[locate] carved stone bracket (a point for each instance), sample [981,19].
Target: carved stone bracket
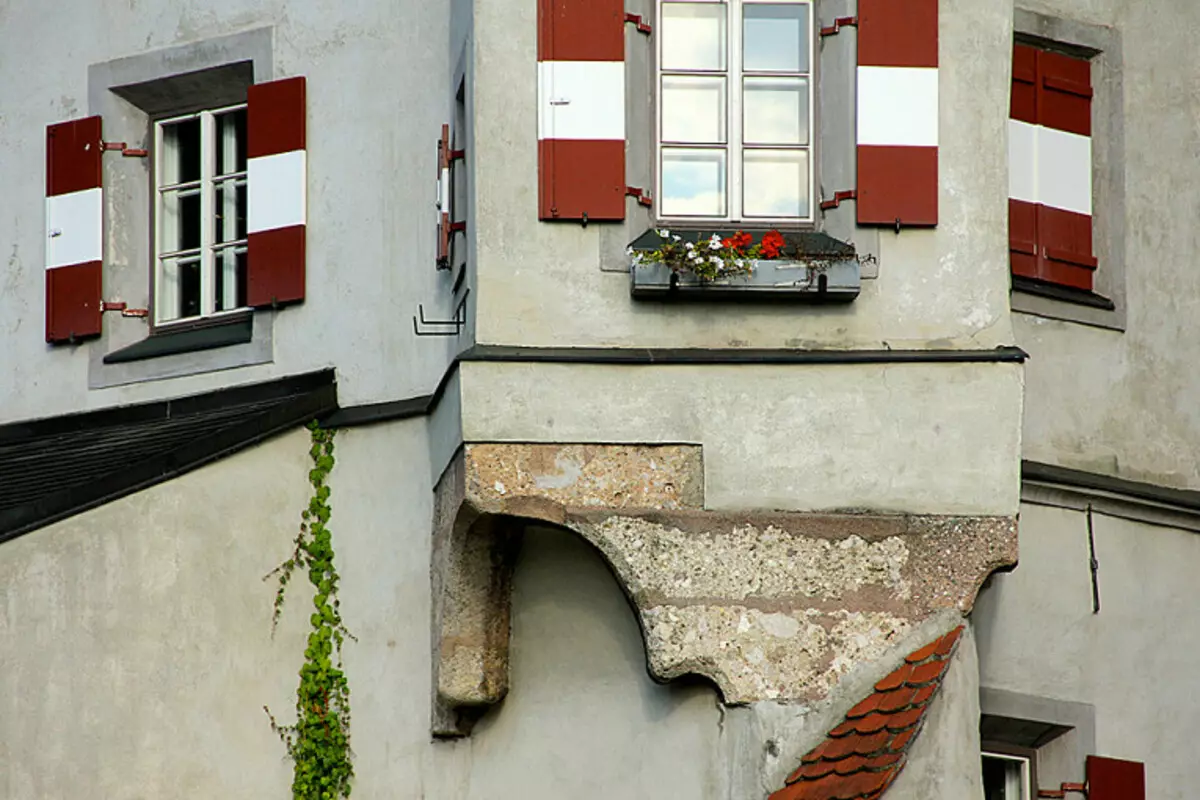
[767,605]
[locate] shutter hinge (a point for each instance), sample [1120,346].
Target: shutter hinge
[126,150]
[642,25]
[838,197]
[838,24]
[124,309]
[643,197]
[1062,792]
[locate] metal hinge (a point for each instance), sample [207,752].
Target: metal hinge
[643,197]
[838,24]
[124,309]
[838,197]
[642,25]
[126,150]
[1062,792]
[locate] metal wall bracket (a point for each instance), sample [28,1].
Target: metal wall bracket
[125,150]
[639,21]
[442,327]
[838,24]
[838,197]
[643,197]
[124,309]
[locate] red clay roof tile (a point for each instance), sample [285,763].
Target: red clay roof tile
[864,754]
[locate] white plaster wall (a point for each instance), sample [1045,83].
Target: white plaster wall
[372,127]
[1134,661]
[933,438]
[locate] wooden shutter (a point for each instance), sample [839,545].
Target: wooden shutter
[277,176]
[897,129]
[1050,168]
[581,110]
[1113,779]
[74,222]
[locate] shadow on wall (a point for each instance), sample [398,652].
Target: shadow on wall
[583,719]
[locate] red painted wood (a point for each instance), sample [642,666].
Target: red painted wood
[892,33]
[1065,93]
[1024,84]
[73,298]
[581,30]
[73,156]
[1022,238]
[1113,779]
[1066,247]
[581,176]
[275,267]
[897,183]
[275,117]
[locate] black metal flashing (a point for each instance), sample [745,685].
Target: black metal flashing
[1038,472]
[54,468]
[1067,294]
[237,330]
[701,355]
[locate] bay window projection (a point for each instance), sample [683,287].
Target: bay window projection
[201,214]
[735,110]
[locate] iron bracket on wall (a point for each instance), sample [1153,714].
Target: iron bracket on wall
[838,197]
[125,150]
[1062,791]
[640,22]
[838,24]
[442,327]
[643,197]
[124,309]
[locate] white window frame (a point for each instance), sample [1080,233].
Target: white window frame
[207,184]
[1020,787]
[734,123]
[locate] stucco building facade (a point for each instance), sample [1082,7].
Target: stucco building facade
[907,511]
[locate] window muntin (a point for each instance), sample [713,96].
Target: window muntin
[1006,777]
[735,110]
[200,240]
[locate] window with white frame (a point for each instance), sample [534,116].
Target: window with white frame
[1007,777]
[735,111]
[200,168]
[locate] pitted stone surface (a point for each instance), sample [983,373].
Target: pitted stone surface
[589,476]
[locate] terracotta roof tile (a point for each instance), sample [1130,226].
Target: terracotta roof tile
[864,754]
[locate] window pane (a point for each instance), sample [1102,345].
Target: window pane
[775,111]
[231,142]
[693,36]
[231,210]
[179,288]
[776,37]
[693,109]
[775,183]
[693,183]
[231,278]
[180,160]
[179,220]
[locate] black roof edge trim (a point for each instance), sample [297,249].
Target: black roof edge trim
[1038,472]
[166,409]
[306,405]
[701,355]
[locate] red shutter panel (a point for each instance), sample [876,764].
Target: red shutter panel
[1022,194]
[74,224]
[277,177]
[1112,779]
[897,112]
[581,110]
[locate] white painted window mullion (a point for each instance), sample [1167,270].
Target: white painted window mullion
[207,213]
[733,161]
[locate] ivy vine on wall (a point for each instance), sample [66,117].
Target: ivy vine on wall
[319,741]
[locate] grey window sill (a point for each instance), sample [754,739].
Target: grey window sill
[235,330]
[1065,294]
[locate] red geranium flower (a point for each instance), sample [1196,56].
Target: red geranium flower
[772,244]
[739,241]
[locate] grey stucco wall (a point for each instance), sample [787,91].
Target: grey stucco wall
[1108,401]
[1134,662]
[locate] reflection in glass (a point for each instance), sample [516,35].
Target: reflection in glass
[693,109]
[775,37]
[693,182]
[693,36]
[775,111]
[230,277]
[179,288]
[180,161]
[231,130]
[179,220]
[775,183]
[231,210]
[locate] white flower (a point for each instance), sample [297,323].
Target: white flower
[676,238]
[695,256]
[741,264]
[629,250]
[664,233]
[689,246]
[638,258]
[714,243]
[715,260]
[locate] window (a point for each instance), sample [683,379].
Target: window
[201,214]
[735,111]
[1007,777]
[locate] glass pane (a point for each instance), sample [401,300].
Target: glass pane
[180,160]
[231,278]
[231,142]
[693,109]
[776,37]
[775,111]
[693,36]
[179,288]
[179,220]
[231,210]
[693,183]
[775,183]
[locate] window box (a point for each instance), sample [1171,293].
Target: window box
[823,270]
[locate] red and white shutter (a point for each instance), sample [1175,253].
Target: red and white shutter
[74,224]
[581,110]
[276,172]
[897,112]
[1050,168]
[1113,779]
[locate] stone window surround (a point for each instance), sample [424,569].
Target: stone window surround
[1103,46]
[1078,720]
[129,93]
